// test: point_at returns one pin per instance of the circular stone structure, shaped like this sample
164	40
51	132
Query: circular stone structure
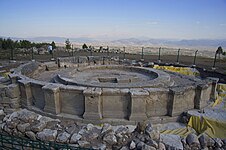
98	90
115	76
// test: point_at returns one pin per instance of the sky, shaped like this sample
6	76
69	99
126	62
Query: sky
114	19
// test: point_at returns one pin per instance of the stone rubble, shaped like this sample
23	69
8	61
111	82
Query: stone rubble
171	141
192	141
25	123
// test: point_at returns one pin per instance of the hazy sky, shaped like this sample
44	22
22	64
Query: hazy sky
174	19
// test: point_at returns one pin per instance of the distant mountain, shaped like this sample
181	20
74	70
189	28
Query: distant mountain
61	39
213	43
202	42
189	43
135	41
47	39
53	38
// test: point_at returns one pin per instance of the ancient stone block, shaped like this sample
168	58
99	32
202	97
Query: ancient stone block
72	100
157	102
92	104
2	91
138	104
12	91
180	101
52	99
26	94
202	96
116	103
213	82
38	97
13	78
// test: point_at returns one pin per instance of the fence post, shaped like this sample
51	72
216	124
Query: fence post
103	60
142	54
159	59
12	54
58	62
214	62
124	56
91	53
178	53
1	138
195	58
78	61
107	51
72	50
32	54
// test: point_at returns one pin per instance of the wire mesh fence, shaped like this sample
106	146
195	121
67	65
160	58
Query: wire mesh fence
8	142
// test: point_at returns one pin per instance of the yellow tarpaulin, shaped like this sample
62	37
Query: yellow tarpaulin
213	128
182	70
4	74
183	132
221	87
217	101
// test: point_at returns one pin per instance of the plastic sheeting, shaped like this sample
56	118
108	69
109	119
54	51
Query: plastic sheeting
181	70
213	128
4	74
217	101
183	132
221	87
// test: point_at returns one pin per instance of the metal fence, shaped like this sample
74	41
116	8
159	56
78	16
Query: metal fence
8	142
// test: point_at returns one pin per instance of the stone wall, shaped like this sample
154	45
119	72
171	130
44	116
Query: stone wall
72	100
9	98
100	104
82	61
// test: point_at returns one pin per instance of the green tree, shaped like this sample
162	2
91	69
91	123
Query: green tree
219	51
25	44
17	44
101	48
53	45
224	53
84	46
1	40
7	44
68	44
